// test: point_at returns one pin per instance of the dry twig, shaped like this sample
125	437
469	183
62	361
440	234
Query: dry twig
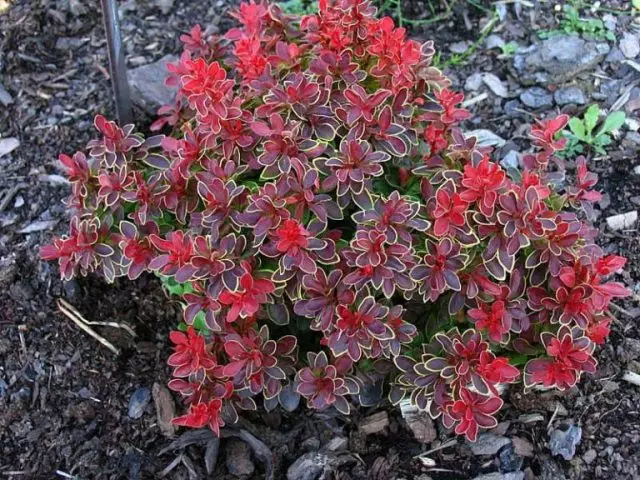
79	320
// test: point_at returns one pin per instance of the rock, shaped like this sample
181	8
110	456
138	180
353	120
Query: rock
165	409
615	56
564	442
5	97
510	461
38	226
138	402
501	476
589	456
8	145
459	47
336	444
420	423
308	467
511	108
494	41
569	95
473	82
310	444
486	138
374	424
488	444
148	89
495	85
511	160
610	22
77	8
612	441
536	97
558	59
165	6
522	447
622	221
629	45
238	458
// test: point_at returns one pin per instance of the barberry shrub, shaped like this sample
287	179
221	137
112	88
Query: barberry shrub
329	227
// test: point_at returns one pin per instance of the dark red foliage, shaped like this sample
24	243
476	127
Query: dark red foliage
315	177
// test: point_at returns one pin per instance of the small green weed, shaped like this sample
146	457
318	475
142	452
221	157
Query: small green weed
582	132
572	23
298	7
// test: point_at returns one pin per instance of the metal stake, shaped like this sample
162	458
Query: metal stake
117	66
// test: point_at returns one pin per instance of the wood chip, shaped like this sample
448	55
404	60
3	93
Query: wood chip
165	409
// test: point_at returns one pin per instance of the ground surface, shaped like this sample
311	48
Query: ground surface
64	399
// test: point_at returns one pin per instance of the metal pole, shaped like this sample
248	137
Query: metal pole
117	66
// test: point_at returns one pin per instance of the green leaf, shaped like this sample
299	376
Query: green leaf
591	118
577	128
613	122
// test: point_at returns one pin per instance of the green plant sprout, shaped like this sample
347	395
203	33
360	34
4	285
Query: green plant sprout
572	23
298	7
509	49
582	132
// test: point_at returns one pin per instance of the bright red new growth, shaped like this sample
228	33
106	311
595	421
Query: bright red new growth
315	175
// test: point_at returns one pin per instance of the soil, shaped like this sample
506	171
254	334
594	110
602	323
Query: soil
64	399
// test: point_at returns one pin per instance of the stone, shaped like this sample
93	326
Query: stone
310	444
622	221
510	461
77	8
165	6
5	97
8	145
138	402
564	442
522	446
589	456
569	95
488	444
629	45
238	458
374	424
536	97
494	41
38	226
473	82
459	47
615	56
420	423
148	89
486	138
557	60
511	160
308	467
495	85
501	476
511	108
165	409
337	444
